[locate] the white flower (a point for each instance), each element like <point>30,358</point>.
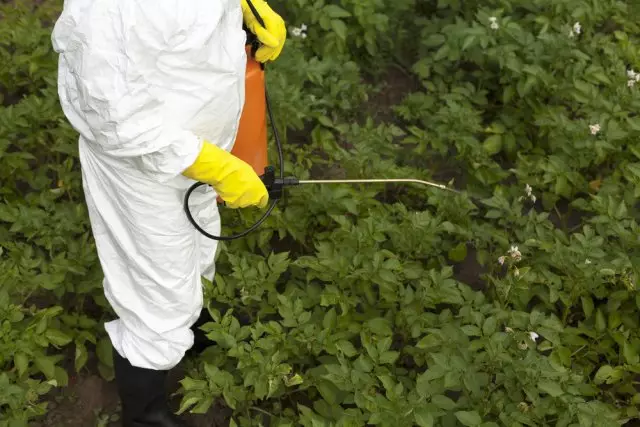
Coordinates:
<point>633,78</point>
<point>575,30</point>
<point>501,260</point>
<point>300,32</point>
<point>529,192</point>
<point>523,345</point>
<point>508,330</point>
<point>533,336</point>
<point>515,253</point>
<point>594,129</point>
<point>587,261</point>
<point>494,23</point>
<point>516,272</point>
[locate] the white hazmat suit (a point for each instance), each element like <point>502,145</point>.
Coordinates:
<point>144,82</point>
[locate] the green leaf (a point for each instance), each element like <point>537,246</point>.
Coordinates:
<point>211,371</point>
<point>363,364</point>
<point>429,341</point>
<point>458,253</point>
<point>21,362</point>
<point>452,379</point>
<point>188,401</point>
<point>471,331</point>
<point>614,320</point>
<point>389,357</point>
<point>468,41</point>
<point>105,371</point>
<point>328,391</point>
<point>508,94</point>
<point>57,337</point>
<point>601,323</point>
<point>630,353</point>
<point>46,366</point>
<point>190,384</point>
<point>340,28</point>
<point>41,327</point>
<point>493,144</point>
<point>81,356</point>
<point>434,40</point>
<point>587,306</point>
<point>525,88</point>
<point>490,325</point>
<point>441,53</point>
<point>334,11</point>
<point>424,418</point>
<point>293,381</point>
<point>380,326</point>
<point>469,418</point>
<point>61,376</point>
<point>325,121</point>
<point>105,352</point>
<point>203,406</point>
<point>552,388</point>
<point>601,77</point>
<point>330,319</point>
<point>583,86</point>
<point>347,348</point>
<point>603,374</point>
<point>443,402</point>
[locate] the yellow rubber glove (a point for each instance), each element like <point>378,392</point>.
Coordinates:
<point>272,36</point>
<point>232,178</point>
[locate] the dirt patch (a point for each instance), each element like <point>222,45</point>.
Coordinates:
<point>470,272</point>
<point>88,401</point>
<point>394,85</point>
<point>91,401</point>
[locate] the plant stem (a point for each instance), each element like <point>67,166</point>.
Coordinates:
<point>578,350</point>
<point>255,408</point>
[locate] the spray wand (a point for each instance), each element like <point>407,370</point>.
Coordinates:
<point>276,186</point>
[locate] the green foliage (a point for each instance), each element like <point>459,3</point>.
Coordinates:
<point>514,303</point>
<point>50,272</point>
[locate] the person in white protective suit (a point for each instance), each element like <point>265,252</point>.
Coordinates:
<point>155,89</point>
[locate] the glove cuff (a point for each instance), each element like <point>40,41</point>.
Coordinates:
<point>209,165</point>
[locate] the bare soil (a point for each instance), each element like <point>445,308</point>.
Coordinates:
<point>91,401</point>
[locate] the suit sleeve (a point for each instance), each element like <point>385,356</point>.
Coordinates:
<point>127,79</point>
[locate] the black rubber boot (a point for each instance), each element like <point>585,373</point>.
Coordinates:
<point>200,340</point>
<point>143,397</point>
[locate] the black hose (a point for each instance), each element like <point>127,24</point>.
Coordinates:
<point>271,206</point>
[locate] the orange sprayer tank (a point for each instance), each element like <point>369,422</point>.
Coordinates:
<point>251,141</point>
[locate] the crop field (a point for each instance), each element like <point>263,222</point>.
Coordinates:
<point>513,303</point>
